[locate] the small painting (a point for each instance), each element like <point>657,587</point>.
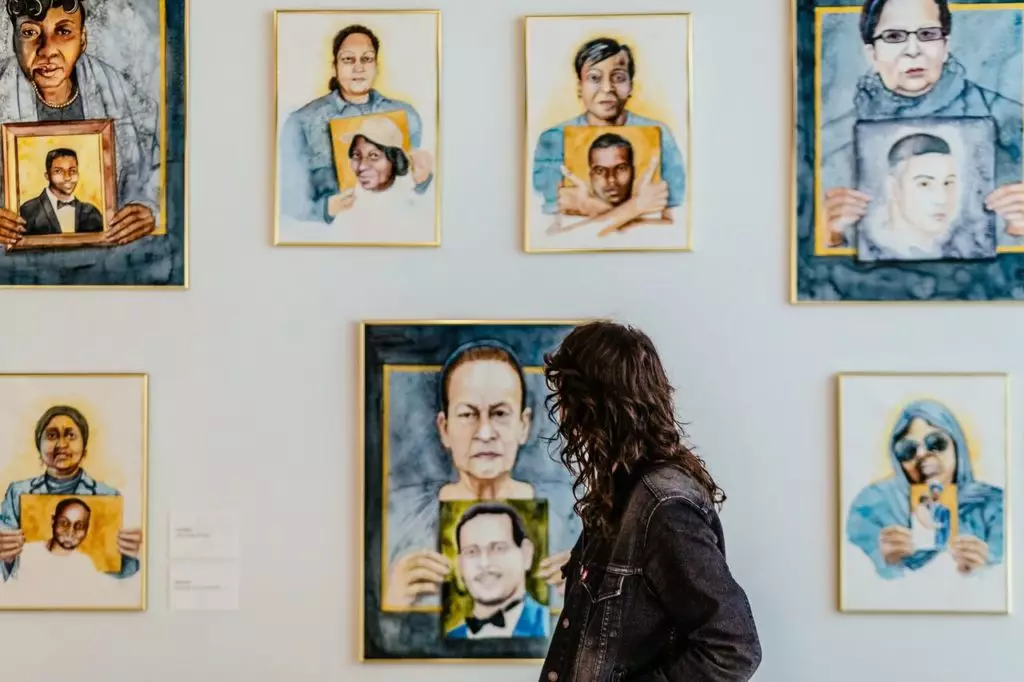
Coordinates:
<point>358,97</point>
<point>891,95</point>
<point>495,548</point>
<point>73,515</point>
<point>93,121</point>
<point>923,462</point>
<point>608,126</point>
<point>455,417</point>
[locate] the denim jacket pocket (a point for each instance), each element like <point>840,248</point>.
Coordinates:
<point>602,584</point>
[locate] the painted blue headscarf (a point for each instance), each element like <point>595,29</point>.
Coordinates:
<point>887,503</point>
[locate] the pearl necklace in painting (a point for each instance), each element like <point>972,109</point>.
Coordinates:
<point>67,104</point>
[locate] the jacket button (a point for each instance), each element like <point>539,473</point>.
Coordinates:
<point>565,622</point>
<point>552,676</point>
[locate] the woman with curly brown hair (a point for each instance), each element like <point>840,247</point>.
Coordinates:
<point>649,595</point>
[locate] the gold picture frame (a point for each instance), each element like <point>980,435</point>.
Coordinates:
<point>364,587</point>
<point>910,404</point>
<point>434,185</point>
<point>66,384</point>
<point>537,133</point>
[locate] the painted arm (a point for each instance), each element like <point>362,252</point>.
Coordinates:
<point>548,158</point>
<point>864,529</point>
<point>673,168</point>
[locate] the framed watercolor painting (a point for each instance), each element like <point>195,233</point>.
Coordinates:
<point>432,500</point>
<point>73,462</point>
<point>608,104</point>
<point>94,167</point>
<point>358,96</point>
<point>909,180</point>
<point>923,471</point>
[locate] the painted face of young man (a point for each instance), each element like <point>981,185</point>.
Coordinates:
<point>926,193</point>
<point>61,446</point>
<point>611,174</point>
<point>485,424</point>
<point>371,165</point>
<point>492,566</point>
<point>71,526</point>
<point>606,86</point>
<point>928,453</point>
<point>356,65</point>
<point>49,49</point>
<point>63,176</point>
<point>909,68</point>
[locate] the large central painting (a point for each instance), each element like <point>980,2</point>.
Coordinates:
<point>468,517</point>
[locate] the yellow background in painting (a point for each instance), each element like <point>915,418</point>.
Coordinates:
<point>346,126</point>
<point>100,544</point>
<point>946,497</point>
<point>458,603</point>
<point>646,141</point>
<point>32,179</point>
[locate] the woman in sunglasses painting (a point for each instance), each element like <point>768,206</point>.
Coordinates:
<point>927,447</point>
<point>914,75</point>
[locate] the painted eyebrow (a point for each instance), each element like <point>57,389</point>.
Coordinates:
<point>928,177</point>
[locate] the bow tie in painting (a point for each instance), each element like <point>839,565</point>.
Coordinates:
<point>497,619</point>
<point>62,204</point>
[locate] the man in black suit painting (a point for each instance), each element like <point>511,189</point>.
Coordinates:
<point>56,210</point>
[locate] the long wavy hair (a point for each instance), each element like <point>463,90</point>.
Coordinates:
<point>612,402</point>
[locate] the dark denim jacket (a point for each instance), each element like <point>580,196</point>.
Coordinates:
<point>656,602</point>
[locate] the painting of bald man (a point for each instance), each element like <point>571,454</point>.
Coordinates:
<point>455,415</point>
<point>73,468</point>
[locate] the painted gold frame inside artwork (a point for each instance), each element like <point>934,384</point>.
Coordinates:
<point>144,550</point>
<point>793,216</point>
<point>840,512</point>
<point>528,144</point>
<point>438,166</point>
<point>361,482</point>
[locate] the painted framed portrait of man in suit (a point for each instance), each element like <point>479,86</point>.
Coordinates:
<point>115,70</point>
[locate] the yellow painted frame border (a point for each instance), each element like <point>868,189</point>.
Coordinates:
<point>438,194</point>
<point>146,540</point>
<point>1007,514</point>
<point>527,155</point>
<point>361,482</point>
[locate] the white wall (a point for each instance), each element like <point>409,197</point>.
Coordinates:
<point>253,371</point>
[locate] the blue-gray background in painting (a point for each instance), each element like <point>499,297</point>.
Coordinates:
<point>126,35</point>
<point>419,465</point>
<point>988,44</point>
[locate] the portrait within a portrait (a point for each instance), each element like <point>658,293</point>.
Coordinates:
<point>62,181</point>
<point>608,127</point>
<point>73,512</point>
<point>876,68</point>
<point>455,415</point>
<point>92,112</point>
<point>495,548</point>
<point>931,181</point>
<point>923,479</point>
<point>357,128</point>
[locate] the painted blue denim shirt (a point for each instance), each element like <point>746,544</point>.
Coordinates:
<point>953,96</point>
<point>655,602</point>
<point>308,177</point>
<point>887,503</point>
<point>83,484</point>
<point>550,156</point>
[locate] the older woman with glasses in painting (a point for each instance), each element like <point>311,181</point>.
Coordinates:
<point>927,448</point>
<point>914,75</point>
<point>308,180</point>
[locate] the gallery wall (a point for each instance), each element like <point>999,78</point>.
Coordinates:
<point>253,370</point>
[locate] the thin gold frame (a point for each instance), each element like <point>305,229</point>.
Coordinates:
<point>1007,514</point>
<point>164,125</point>
<point>276,234</point>
<point>361,494</point>
<point>527,155</point>
<point>146,540</point>
<point>793,218</point>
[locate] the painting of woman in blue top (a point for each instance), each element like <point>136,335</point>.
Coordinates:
<point>62,438</point>
<point>308,179</point>
<point>927,447</point>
